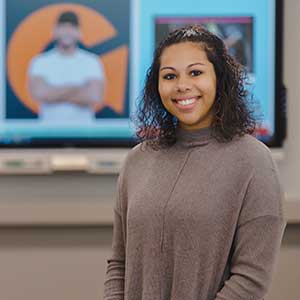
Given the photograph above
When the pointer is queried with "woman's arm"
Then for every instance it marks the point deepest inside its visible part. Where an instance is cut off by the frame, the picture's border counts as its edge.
(256, 247)
(258, 235)
(115, 272)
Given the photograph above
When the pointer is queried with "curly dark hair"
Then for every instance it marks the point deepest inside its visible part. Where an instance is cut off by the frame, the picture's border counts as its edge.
(233, 114)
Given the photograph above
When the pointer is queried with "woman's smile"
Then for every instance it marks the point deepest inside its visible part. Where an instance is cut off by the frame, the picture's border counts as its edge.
(186, 104)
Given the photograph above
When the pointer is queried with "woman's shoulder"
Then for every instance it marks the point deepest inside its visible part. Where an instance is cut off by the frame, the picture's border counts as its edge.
(247, 141)
(251, 150)
(137, 151)
(136, 155)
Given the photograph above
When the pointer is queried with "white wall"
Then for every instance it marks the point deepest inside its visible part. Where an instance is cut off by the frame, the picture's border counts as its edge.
(290, 166)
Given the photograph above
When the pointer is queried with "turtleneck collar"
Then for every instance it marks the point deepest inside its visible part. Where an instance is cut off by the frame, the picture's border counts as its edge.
(195, 137)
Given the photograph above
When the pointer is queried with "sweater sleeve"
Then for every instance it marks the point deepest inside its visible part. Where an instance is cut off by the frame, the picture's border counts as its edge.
(257, 238)
(115, 272)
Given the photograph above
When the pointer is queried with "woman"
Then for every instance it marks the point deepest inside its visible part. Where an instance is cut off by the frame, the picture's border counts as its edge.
(198, 214)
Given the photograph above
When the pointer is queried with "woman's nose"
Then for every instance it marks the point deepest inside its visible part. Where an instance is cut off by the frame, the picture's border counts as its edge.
(183, 85)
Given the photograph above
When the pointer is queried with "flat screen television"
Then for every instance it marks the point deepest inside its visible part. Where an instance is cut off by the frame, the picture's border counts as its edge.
(122, 48)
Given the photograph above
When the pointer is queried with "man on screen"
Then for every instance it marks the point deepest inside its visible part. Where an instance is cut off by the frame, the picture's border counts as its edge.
(66, 80)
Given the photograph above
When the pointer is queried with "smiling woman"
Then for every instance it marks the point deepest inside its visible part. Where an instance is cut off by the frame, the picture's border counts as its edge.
(201, 218)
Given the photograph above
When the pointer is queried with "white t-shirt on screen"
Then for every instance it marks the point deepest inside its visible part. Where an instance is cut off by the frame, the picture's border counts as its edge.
(62, 70)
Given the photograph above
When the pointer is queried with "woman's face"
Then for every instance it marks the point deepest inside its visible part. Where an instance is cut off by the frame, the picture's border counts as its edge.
(187, 84)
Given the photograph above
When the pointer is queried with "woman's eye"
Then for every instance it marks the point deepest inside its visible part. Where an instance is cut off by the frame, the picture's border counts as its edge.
(196, 73)
(169, 76)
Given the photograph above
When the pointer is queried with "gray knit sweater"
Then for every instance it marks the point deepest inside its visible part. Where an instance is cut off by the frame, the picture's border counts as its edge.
(202, 220)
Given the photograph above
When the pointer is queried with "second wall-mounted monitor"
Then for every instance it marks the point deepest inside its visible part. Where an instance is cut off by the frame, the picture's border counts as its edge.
(252, 32)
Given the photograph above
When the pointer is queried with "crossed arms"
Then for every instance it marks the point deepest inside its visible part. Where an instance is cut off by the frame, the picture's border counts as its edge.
(86, 94)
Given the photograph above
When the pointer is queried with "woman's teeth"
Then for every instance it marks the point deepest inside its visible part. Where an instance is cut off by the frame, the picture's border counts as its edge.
(186, 101)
